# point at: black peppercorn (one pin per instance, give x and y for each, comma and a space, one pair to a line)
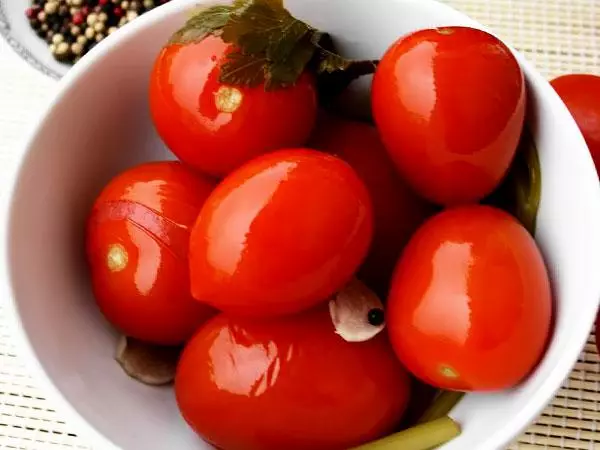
376, 317
35, 24
81, 23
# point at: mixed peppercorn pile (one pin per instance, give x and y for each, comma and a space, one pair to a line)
73, 27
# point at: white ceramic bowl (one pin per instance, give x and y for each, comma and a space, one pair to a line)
99, 124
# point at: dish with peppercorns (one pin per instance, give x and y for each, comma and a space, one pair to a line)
52, 35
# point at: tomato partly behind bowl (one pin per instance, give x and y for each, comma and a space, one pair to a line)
65, 338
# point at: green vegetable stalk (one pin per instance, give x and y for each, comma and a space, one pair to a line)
441, 406
420, 437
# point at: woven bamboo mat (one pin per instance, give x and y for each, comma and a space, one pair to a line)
559, 36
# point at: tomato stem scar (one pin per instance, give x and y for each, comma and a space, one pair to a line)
228, 99
116, 258
445, 31
448, 372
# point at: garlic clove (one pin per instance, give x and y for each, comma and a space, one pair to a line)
148, 363
357, 312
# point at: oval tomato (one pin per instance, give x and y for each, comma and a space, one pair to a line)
398, 211
581, 94
290, 383
450, 104
470, 305
214, 127
280, 234
137, 248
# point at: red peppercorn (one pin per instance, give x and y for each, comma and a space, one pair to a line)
78, 18
85, 11
118, 11
30, 13
103, 2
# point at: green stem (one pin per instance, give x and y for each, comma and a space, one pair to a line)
420, 437
441, 405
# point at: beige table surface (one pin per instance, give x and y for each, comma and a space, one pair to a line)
558, 36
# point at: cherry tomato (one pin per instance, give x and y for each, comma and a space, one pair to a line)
215, 127
450, 104
280, 234
137, 247
470, 304
581, 94
290, 383
397, 209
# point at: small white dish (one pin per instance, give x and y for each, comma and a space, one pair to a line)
15, 29
99, 124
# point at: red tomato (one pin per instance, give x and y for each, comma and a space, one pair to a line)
214, 127
581, 94
397, 209
137, 247
450, 104
280, 234
470, 305
288, 384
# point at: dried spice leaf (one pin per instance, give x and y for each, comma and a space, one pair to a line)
520, 192
204, 22
150, 364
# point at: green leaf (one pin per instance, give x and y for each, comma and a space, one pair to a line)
266, 30
336, 73
264, 26
243, 70
282, 73
520, 192
332, 62
270, 45
204, 22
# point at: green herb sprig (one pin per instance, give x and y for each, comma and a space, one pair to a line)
271, 46
520, 192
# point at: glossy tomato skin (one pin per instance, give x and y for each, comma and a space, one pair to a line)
397, 210
449, 104
581, 94
470, 306
215, 128
290, 383
280, 234
137, 249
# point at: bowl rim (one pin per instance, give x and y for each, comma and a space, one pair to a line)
500, 438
